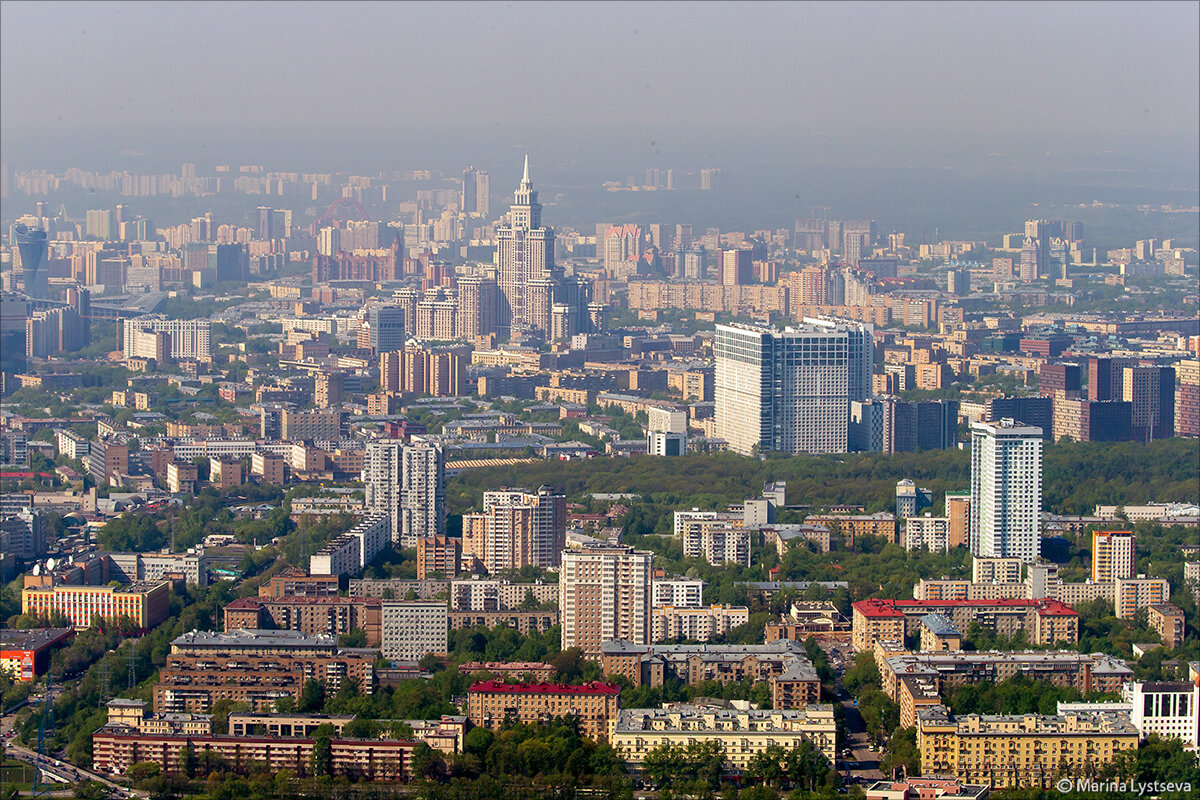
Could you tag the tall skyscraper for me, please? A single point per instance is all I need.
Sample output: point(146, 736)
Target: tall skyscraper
point(1151, 390)
point(1006, 490)
point(407, 482)
point(473, 195)
point(525, 254)
point(1114, 555)
point(790, 391)
point(385, 328)
point(604, 595)
point(32, 248)
point(476, 306)
point(517, 529)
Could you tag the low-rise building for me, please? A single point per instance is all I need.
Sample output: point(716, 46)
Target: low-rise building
point(246, 723)
point(1043, 621)
point(914, 679)
point(741, 733)
point(668, 623)
point(1020, 750)
point(413, 629)
point(25, 654)
point(926, 789)
point(490, 703)
point(807, 618)
point(1168, 621)
point(116, 747)
point(782, 663)
point(146, 604)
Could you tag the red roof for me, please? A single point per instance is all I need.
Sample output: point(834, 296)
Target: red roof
point(893, 608)
point(595, 687)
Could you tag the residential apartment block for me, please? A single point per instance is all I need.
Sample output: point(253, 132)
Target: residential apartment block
point(741, 733)
point(1043, 621)
point(412, 629)
point(490, 703)
point(1020, 750)
point(604, 595)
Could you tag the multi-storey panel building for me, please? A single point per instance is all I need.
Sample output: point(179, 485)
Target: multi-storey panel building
point(604, 595)
point(1006, 490)
point(407, 482)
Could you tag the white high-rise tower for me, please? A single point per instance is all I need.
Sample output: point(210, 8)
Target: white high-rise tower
point(407, 482)
point(525, 257)
point(1006, 490)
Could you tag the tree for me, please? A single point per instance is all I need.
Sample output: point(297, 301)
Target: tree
point(312, 696)
point(322, 756)
point(426, 762)
point(768, 765)
point(902, 751)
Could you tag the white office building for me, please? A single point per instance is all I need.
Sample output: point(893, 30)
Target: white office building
point(790, 390)
point(1006, 490)
point(1171, 709)
point(412, 629)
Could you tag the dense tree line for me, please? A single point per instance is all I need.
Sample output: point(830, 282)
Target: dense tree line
point(1019, 694)
point(1121, 473)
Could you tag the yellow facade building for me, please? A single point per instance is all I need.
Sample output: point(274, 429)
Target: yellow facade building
point(1027, 750)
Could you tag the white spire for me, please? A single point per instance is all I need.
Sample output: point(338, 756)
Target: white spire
point(525, 177)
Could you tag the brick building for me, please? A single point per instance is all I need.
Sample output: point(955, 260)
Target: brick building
point(489, 703)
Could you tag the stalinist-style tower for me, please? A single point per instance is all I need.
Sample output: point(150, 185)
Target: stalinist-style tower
point(525, 268)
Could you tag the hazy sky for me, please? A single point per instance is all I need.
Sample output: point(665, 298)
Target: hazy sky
point(1026, 67)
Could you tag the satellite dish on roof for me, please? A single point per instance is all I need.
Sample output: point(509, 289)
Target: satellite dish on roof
point(50, 564)
point(37, 569)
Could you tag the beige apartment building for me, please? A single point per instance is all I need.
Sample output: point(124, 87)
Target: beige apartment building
point(741, 733)
point(1020, 750)
point(490, 703)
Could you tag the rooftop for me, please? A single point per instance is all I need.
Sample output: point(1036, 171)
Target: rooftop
point(636, 719)
point(893, 608)
point(783, 647)
point(595, 687)
point(940, 625)
point(32, 638)
point(252, 637)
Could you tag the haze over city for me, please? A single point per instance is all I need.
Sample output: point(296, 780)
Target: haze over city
point(622, 401)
